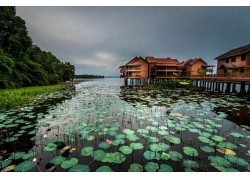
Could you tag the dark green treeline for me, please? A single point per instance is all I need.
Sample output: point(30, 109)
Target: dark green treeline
point(23, 64)
point(87, 76)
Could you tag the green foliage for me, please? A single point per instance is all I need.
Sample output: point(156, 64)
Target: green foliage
point(229, 71)
point(23, 64)
point(202, 72)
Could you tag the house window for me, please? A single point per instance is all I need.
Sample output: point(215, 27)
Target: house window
point(243, 57)
point(233, 59)
point(227, 60)
point(242, 69)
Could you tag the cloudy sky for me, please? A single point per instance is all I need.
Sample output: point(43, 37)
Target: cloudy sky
point(98, 39)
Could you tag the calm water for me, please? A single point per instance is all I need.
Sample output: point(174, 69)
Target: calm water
point(102, 109)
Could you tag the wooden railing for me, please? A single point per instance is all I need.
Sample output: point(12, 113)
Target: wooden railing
point(223, 76)
point(130, 76)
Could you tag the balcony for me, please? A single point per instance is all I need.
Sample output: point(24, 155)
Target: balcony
point(131, 76)
point(134, 69)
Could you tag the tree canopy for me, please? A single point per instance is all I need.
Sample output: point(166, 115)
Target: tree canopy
point(22, 63)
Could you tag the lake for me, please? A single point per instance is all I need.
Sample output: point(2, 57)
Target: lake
point(105, 126)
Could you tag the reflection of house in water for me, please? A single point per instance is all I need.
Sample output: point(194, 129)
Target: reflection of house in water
point(237, 60)
point(162, 68)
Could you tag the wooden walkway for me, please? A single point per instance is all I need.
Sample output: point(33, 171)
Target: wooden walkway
point(223, 77)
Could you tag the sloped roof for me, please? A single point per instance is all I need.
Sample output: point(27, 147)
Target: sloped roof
point(234, 52)
point(229, 66)
point(190, 62)
point(151, 59)
point(135, 59)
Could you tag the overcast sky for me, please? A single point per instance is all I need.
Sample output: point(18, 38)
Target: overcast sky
point(97, 40)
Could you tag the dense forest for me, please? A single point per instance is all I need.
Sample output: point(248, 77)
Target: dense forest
point(22, 63)
point(87, 76)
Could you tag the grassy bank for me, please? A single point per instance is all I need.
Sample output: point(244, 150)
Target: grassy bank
point(12, 98)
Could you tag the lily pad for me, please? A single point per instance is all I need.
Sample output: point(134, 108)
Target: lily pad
point(28, 155)
point(132, 137)
point(9, 168)
point(135, 168)
point(151, 167)
point(227, 145)
point(219, 161)
point(203, 139)
point(218, 138)
point(104, 169)
point(57, 160)
point(207, 149)
point(190, 164)
point(236, 160)
point(125, 149)
point(69, 163)
point(149, 155)
point(87, 151)
point(50, 147)
point(235, 134)
point(24, 166)
point(80, 168)
point(136, 146)
point(190, 151)
point(5, 163)
point(165, 168)
point(128, 131)
point(99, 155)
point(104, 145)
point(165, 156)
point(175, 156)
point(17, 155)
point(226, 151)
point(159, 147)
point(117, 142)
point(119, 158)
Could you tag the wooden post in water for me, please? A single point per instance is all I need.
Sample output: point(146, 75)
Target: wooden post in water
point(242, 87)
point(222, 90)
point(228, 87)
point(233, 87)
point(248, 90)
point(210, 85)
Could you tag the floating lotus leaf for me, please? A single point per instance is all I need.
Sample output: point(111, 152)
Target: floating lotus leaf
point(28, 155)
point(151, 128)
point(203, 139)
point(104, 145)
point(149, 155)
point(5, 163)
point(163, 132)
point(152, 139)
point(17, 155)
point(219, 167)
point(36, 138)
point(80, 168)
point(232, 170)
point(33, 132)
point(104, 169)
point(163, 128)
point(1, 157)
point(117, 142)
point(175, 156)
point(165, 168)
point(54, 127)
point(136, 146)
point(218, 138)
point(226, 151)
point(159, 147)
point(87, 151)
point(135, 168)
point(227, 145)
point(194, 130)
point(24, 166)
point(90, 138)
point(120, 136)
point(235, 134)
point(110, 157)
point(99, 155)
point(165, 156)
point(8, 168)
point(173, 139)
point(69, 163)
point(151, 167)
point(190, 151)
point(219, 161)
point(119, 158)
point(207, 149)
point(125, 149)
point(48, 141)
point(178, 128)
point(11, 139)
point(236, 160)
point(205, 134)
point(57, 160)
point(132, 137)
point(248, 168)
point(128, 131)
point(50, 147)
point(190, 164)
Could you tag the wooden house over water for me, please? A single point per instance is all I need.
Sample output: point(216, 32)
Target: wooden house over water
point(162, 68)
point(237, 60)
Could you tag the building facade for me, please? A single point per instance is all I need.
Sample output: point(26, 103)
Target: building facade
point(237, 60)
point(162, 68)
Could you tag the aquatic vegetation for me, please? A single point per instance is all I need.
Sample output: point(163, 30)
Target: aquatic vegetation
point(113, 128)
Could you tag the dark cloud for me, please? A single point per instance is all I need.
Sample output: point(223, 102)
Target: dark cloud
point(99, 39)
